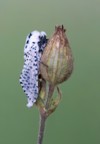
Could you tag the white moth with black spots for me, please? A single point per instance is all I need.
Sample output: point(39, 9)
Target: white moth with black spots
point(34, 46)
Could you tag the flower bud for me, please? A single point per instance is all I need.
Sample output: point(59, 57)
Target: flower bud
point(57, 61)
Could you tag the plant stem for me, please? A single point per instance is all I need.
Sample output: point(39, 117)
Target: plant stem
point(44, 114)
point(41, 127)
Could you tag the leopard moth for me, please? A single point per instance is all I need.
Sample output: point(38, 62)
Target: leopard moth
point(33, 49)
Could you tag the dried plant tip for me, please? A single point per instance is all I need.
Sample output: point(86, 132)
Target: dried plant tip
point(57, 60)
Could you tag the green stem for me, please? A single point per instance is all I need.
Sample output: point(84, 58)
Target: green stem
point(50, 93)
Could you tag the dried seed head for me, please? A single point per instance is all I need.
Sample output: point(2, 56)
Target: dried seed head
point(57, 61)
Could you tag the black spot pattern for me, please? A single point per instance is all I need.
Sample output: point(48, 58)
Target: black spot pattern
point(27, 42)
point(35, 43)
point(30, 35)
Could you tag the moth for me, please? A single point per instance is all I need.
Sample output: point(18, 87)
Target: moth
point(29, 77)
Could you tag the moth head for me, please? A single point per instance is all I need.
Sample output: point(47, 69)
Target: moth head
point(37, 40)
point(32, 40)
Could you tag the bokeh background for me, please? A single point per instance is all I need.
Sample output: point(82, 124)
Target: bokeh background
point(77, 119)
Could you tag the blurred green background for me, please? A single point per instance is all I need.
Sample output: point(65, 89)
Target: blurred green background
point(77, 119)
